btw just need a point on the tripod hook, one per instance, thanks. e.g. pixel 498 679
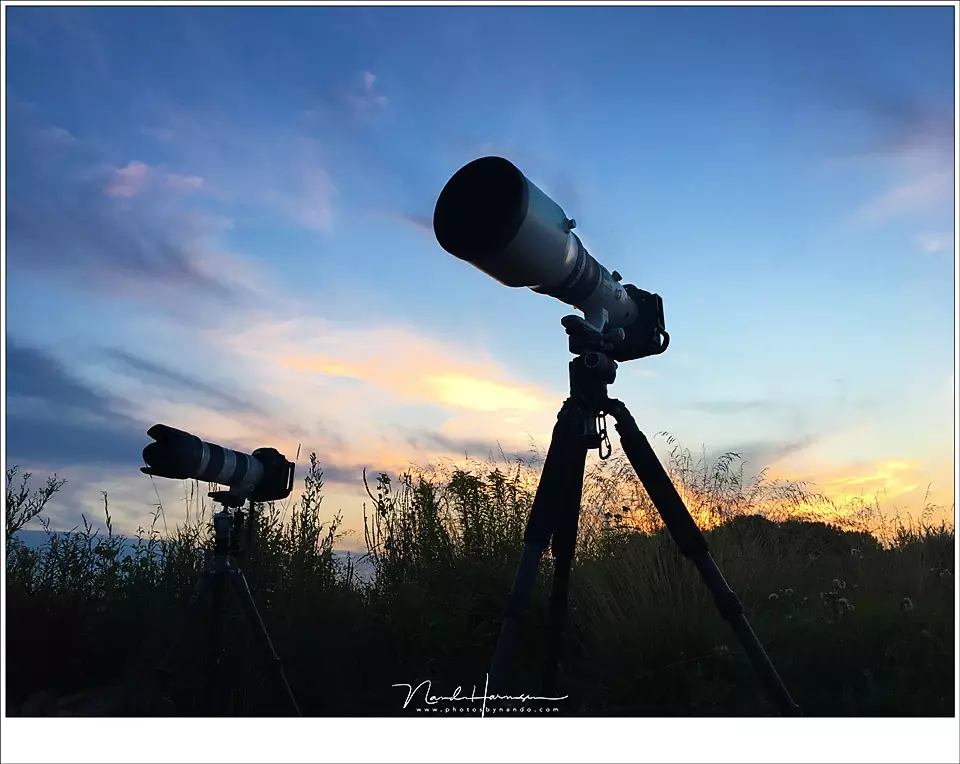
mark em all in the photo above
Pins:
pixel 606 449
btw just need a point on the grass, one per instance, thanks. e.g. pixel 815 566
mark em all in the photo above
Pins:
pixel 856 626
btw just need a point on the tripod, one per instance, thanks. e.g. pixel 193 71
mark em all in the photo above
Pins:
pixel 224 567
pixel 555 514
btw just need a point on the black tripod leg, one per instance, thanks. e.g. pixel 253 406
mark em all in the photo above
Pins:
pixel 694 546
pixel 516 601
pixel 215 644
pixel 240 586
pixel 562 548
pixel 567 434
pixel 179 638
pixel 184 628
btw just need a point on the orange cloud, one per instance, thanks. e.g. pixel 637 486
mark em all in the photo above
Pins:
pixel 464 391
pixel 890 477
pixel 894 485
pixel 461 385
pixel 385 368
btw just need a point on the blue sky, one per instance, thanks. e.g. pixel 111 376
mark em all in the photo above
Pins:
pixel 218 218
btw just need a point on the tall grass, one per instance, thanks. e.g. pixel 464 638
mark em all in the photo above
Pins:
pixel 857 613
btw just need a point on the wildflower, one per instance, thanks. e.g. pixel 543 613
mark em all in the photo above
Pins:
pixel 856 553
pixel 773 597
pixel 804 601
pixel 838 584
pixel 788 592
pixel 843 602
pixel 906 604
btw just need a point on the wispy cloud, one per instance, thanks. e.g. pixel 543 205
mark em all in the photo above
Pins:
pixel 132 179
pixel 159 375
pixel 919 192
pixel 366 101
pixel 55 135
pixel 184 182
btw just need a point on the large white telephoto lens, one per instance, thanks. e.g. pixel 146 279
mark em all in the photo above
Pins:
pixel 493 217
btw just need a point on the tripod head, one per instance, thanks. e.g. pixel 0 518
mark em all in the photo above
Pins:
pixel 590 372
pixel 235 498
pixel 596 348
pixel 227 524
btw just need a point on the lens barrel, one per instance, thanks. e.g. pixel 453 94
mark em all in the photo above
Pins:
pixel 179 455
pixel 491 216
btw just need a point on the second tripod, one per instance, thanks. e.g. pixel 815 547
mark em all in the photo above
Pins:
pixel 221 570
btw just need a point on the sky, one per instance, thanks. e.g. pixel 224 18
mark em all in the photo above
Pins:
pixel 220 219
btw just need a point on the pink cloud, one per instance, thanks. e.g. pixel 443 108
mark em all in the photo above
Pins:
pixel 131 180
pixel 128 181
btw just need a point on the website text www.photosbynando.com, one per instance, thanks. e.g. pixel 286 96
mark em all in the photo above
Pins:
pixel 421 701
